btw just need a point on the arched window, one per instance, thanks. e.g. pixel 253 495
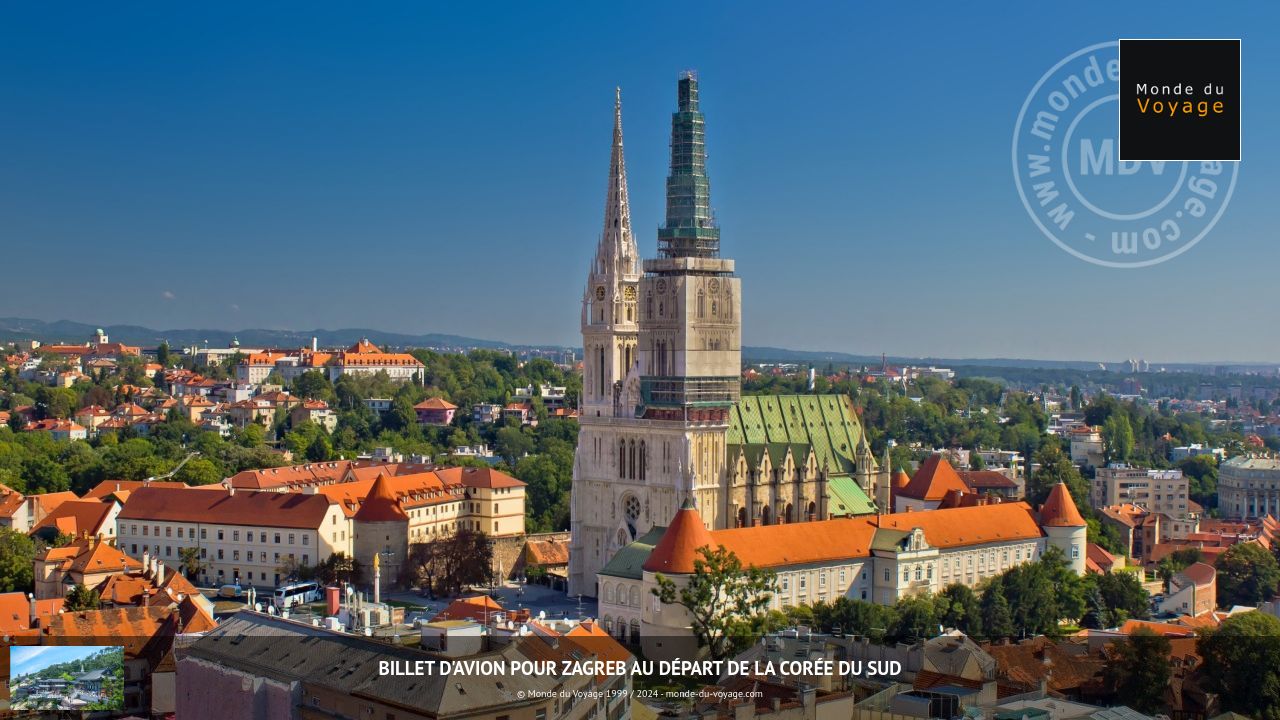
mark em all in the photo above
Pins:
pixel 635 597
pixel 742 517
pixel 764 515
pixel 622 459
pixel 702 304
pixel 642 460
pixel 600 372
pixel 631 470
pixel 790 516
pixel 813 511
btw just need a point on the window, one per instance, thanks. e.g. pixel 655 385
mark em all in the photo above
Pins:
pixel 804 581
pixel 822 579
pixel 262 537
pixel 886 574
pixel 235 555
pixel 179 532
pixel 144 531
pixel 133 529
pixel 219 534
pixel 168 532
pixel 220 556
pixel 291 538
pixel 277 538
pixel 786 584
pixel 235 535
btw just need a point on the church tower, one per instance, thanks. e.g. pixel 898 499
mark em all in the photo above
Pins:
pixel 609 325
pixel 662 364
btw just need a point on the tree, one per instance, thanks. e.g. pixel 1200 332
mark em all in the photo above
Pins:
pixel 17 558
pixel 1055 467
pixel 320 448
pixel 1247 575
pixel 339 568
pixel 1202 478
pixel 1242 663
pixel 190 561
pixel 997 620
pixel 1095 610
pixel 1117 437
pixel 960 609
pixel 1123 597
pixel 448 565
pixel 724 599
pixel 313 385
pixel 1177 561
pixel 917 619
pixel 1077 398
pixel 512 443
pixel 199 471
pixel 162 354
pixel 1141 669
pixel 80 597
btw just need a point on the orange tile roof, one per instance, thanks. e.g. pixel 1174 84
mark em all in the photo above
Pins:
pixel 677 551
pixel 933 480
pixel 1131 626
pixel 479 608
pixel 960 527
pixel 435 404
pixel 108 487
pixel 546 552
pixel 477 477
pixel 381 504
pixel 48 502
pixel 1059 510
pixel 76 517
pixel 10 501
pixel 15 611
pixel 267 509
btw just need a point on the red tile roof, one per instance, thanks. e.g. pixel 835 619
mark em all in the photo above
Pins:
pixel 435 404
pixel 15 611
pixel 1059 510
pixel 107 487
pixel 678 548
pixel 268 509
pixel 76 517
pixel 933 480
pixel 479 608
pixel 381 504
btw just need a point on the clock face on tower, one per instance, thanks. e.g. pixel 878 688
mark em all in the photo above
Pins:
pixel 600 293
pixel 629 293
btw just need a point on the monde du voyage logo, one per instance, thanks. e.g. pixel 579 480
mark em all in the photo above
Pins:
pixel 1129 169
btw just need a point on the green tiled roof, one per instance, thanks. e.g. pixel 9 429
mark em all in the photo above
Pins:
pixel 629 559
pixel 822 424
pixel 846 497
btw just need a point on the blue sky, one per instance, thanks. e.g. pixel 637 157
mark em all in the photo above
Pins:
pixel 442 169
pixel 23 660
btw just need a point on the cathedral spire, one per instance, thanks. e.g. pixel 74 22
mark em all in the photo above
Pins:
pixel 617 252
pixel 690 230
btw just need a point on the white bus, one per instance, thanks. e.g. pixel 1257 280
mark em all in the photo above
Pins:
pixel 287 596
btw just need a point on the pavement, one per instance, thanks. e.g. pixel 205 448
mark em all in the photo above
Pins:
pixel 512 596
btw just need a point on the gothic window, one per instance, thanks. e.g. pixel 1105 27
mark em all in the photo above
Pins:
pixel 622 537
pixel 713 308
pixel 622 459
pixel 702 304
pixel 631 470
pixel 631 511
pixel 660 310
pixel 600 372
pixel 643 458
pixel 648 306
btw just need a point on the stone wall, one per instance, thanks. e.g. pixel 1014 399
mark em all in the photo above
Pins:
pixel 508 552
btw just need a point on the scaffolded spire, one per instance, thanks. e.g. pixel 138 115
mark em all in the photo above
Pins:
pixel 617 253
pixel 690 230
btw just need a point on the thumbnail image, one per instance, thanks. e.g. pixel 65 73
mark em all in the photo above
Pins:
pixel 60 677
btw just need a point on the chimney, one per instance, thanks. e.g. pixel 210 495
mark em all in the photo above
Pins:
pixel 146 563
pixel 315 344
pixel 33 618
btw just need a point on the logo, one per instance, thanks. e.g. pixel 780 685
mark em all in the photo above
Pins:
pixel 1067 167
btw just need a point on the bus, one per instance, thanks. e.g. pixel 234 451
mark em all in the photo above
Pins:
pixel 286 596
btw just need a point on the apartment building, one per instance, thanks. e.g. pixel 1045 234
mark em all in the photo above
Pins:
pixel 1159 491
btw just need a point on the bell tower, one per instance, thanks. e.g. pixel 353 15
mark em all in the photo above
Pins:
pixel 609 322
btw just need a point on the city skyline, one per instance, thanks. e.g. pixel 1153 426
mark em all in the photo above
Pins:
pixel 429 184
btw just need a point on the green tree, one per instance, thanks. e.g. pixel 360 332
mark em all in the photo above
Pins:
pixel 1247 575
pixel 961 609
pixel 320 448
pixel 1095 610
pixel 199 471
pixel 1055 467
pixel 997 619
pixel 1117 437
pixel 162 354
pixel 1123 597
pixel 1177 561
pixel 80 597
pixel 512 443
pixel 17 558
pixel 1242 664
pixel 917 619
pixel 724 599
pixel 314 385
pixel 1140 667
pixel 1202 478
pixel 190 562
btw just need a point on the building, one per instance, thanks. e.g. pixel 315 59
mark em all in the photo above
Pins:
pixel 435 411
pixel 932 482
pixel 876 558
pixel 61 430
pixel 661 420
pixel 1249 487
pixel 79 518
pixel 255 665
pixel 87 561
pixel 1160 491
pixel 1182 452
pixel 1086 446
pixel 1194 591
pixel 240 537
pixel 552 396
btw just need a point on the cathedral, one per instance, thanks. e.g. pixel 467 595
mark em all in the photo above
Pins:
pixel 662 422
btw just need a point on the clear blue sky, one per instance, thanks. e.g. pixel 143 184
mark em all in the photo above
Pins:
pixel 422 169
pixel 23 660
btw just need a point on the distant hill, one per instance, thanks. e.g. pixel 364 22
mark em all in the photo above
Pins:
pixel 75 332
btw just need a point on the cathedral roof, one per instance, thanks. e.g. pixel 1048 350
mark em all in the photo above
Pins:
pixel 1059 510
pixel 933 480
pixel 824 425
pixel 381 505
pixel 678 548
